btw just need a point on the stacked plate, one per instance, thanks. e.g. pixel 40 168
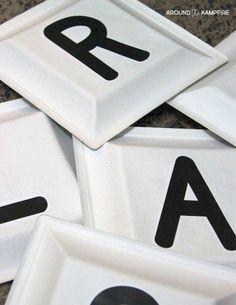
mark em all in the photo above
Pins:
pixel 159 202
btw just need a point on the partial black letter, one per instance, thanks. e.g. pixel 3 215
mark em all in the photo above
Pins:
pixel 97 38
pixel 127 295
pixel 22 209
pixel 185 172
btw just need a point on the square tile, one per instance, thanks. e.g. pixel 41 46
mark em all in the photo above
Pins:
pixel 37 175
pixel 173 188
pixel 70 264
pixel 96 67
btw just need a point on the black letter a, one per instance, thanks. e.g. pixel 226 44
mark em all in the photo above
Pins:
pixel 185 172
pixel 97 38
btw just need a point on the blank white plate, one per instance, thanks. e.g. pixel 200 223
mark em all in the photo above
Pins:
pixel 36 160
pixel 70 264
pixel 124 187
pixel 212 101
pixel 39 59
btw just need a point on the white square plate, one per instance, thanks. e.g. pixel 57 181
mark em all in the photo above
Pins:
pixel 45 56
pixel 70 264
pixel 154 184
pixel 37 174
pixel 212 100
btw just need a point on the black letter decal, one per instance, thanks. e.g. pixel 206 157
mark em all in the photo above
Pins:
pixel 22 209
pixel 185 172
pixel 97 38
pixel 123 295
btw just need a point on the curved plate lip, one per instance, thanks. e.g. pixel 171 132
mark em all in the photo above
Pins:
pixel 57 230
